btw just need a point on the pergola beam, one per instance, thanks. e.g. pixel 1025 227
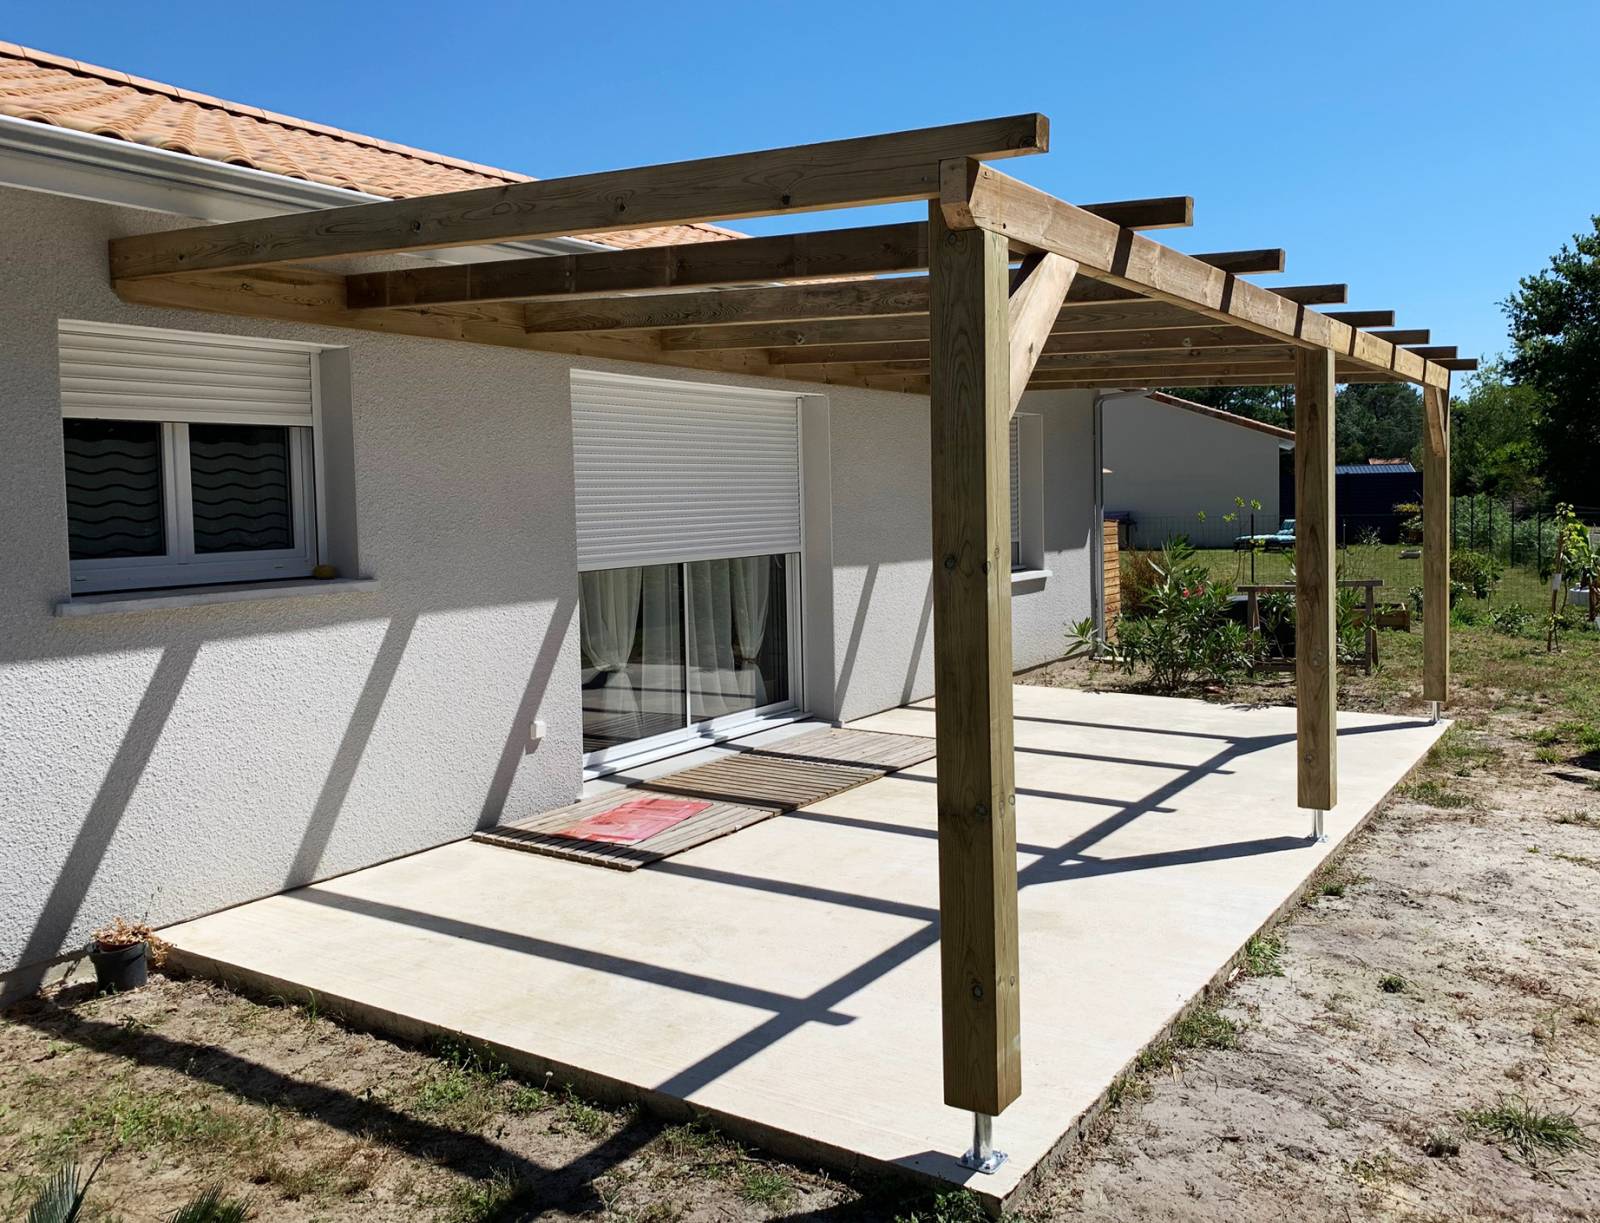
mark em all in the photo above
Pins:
pixel 1163 212
pixel 1364 318
pixel 1434 351
pixel 859 299
pixel 975 195
pixel 826 254
pixel 1240 263
pixel 1135 316
pixel 883 169
pixel 1313 295
pixel 1407 335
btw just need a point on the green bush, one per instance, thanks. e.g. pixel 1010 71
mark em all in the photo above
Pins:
pixel 1478 572
pixel 1514 620
pixel 1183 630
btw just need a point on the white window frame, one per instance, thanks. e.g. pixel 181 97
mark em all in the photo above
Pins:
pixel 181 565
pixel 1027 543
pixel 713 730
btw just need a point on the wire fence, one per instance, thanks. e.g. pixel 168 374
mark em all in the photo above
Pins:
pixel 1519 538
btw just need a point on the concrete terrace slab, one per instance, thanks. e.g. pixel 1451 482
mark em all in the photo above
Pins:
pixel 785 979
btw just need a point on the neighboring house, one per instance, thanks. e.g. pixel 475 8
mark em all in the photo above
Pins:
pixel 519 539
pixel 1173 467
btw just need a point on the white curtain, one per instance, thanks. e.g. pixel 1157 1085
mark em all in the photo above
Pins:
pixel 751 579
pixel 608 619
pixel 714 679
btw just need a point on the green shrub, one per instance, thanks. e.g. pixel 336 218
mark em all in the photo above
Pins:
pixel 1514 620
pixel 1183 630
pixel 1478 572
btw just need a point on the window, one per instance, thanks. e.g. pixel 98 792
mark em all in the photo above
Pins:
pixel 671 647
pixel 688 500
pixel 1027 491
pixel 189 459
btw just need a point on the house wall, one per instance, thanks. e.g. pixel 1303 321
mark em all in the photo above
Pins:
pixel 168 763
pixel 1166 465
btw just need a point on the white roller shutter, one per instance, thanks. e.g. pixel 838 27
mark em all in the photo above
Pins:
pixel 680 471
pixel 131 373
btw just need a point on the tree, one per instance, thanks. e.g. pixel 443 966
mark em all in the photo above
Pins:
pixel 1555 337
pixel 1494 447
pixel 1377 420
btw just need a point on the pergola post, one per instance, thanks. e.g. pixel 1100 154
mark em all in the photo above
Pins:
pixel 1316 590
pixel 1436 547
pixel 970 404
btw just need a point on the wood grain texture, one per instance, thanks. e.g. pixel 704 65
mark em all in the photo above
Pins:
pixel 978 195
pixel 1241 263
pixel 1314 295
pixel 1316 643
pixel 1035 304
pixel 1364 318
pixel 970 405
pixel 1160 212
pixel 833 174
pixel 857 251
pixel 1436 545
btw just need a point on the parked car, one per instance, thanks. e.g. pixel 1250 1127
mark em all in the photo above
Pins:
pixel 1281 540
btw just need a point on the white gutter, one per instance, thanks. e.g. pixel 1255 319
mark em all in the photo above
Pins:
pixel 42 157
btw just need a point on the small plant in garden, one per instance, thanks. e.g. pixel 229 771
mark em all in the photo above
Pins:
pixel 1514 620
pixel 1184 630
pixel 1478 572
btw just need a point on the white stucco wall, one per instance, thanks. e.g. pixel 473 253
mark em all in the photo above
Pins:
pixel 882 535
pixel 168 763
pixel 1166 465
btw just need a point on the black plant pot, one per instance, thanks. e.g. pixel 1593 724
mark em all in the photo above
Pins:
pixel 120 968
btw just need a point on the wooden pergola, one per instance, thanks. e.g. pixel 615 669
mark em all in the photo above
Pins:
pixel 1004 288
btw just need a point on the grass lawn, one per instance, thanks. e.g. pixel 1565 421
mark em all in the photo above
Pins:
pixel 1520 584
pixel 1420 1039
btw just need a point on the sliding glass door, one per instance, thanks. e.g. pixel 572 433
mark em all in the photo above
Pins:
pixel 685 650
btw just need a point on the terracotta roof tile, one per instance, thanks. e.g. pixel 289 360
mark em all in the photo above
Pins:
pixel 45 88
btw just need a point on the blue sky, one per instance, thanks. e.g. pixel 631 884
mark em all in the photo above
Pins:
pixel 1427 154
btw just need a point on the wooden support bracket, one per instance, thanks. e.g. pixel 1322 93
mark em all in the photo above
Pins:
pixel 1036 295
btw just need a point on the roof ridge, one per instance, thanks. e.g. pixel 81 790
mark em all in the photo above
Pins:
pixel 144 84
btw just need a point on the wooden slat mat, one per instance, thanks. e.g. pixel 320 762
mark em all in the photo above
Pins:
pixel 743 789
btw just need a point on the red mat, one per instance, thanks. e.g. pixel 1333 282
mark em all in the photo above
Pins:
pixel 637 820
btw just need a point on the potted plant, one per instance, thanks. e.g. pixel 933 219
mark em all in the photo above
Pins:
pixel 119 952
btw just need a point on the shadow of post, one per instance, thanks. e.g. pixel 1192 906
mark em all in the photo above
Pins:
pixel 61 908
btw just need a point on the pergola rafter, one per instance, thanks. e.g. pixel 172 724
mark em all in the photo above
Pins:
pixel 1003 288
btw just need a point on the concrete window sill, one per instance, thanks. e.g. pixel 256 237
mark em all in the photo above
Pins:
pixel 1029 577
pixel 203 596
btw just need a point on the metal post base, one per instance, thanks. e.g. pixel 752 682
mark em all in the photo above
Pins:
pixel 1433 713
pixel 983 1157
pixel 1318 833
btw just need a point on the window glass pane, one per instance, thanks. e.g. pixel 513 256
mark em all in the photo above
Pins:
pixel 738 635
pixel 631 635
pixel 240 478
pixel 114 496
